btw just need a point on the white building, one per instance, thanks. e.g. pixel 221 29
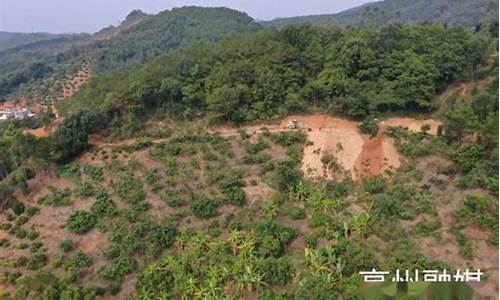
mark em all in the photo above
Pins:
pixel 11 113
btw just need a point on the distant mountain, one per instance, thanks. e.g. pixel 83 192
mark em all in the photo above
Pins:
pixel 465 13
pixel 33 64
pixel 169 30
pixel 15 39
pixel 140 38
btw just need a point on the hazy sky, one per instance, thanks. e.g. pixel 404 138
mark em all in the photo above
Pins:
pixel 91 15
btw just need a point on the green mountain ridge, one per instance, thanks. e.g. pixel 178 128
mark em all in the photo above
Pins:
pixel 451 12
pixel 137 40
pixel 172 29
pixel 15 39
pixel 33 65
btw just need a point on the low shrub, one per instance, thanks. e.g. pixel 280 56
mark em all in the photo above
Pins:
pixel 118 268
pixel 275 270
pixel 468 157
pixel 130 189
pixel 76 264
pixel 257 158
pixel 287 174
pixel 232 188
pixel 32 210
pixel 84 189
pixel 273 236
pixel 289 138
pixel 375 185
pixel 95 173
pixel 56 197
pixel 256 147
pixel 103 205
pixel 297 213
pixel 174 202
pixel 204 207
pixel 480 209
pixel 369 126
pixel 16 206
pixel 81 222
pixel 66 245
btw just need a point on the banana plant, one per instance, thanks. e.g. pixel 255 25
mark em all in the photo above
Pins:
pixel 359 224
pixel 190 288
pixel 163 296
pixel 319 201
pixel 235 239
pixel 247 247
pixel 315 198
pixel 270 209
pixel 254 279
pixel 299 192
pixel 325 262
pixel 212 290
pixel 146 294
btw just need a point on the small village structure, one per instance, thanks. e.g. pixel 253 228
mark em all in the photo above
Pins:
pixel 13 110
pixel 23 113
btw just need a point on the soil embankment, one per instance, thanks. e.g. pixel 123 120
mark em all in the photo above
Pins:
pixel 353 152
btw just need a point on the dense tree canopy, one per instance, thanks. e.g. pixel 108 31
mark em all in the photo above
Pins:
pixel 352 71
pixel 71 138
pixel 452 12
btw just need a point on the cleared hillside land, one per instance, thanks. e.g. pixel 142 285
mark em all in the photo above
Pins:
pixel 242 202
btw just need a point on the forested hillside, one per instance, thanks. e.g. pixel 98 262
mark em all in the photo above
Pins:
pixel 466 13
pixel 169 30
pixel 358 73
pixel 14 39
pixel 31 69
pixel 27 69
pixel 34 65
pixel 354 72
pixel 175 178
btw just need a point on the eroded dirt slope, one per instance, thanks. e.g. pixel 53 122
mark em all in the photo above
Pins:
pixel 354 153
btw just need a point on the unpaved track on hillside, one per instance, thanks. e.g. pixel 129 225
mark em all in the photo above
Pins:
pixel 356 153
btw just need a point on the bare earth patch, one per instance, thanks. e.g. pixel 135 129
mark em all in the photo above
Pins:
pixel 413 124
pixel 485 256
pixel 377 156
pixel 355 152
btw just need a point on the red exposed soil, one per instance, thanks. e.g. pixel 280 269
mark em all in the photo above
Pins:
pixel 377 156
pixel 370 161
pixel 11 104
pixel 45 130
pixel 355 152
pixel 38 132
pixel 95 139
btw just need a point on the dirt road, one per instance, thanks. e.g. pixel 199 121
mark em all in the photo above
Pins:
pixel 356 153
